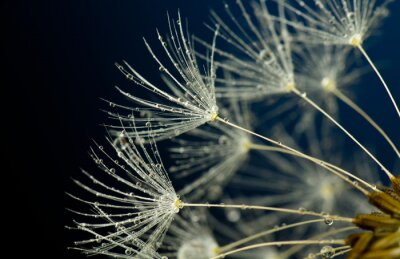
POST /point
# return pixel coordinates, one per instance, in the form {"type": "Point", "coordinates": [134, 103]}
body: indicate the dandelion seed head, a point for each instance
{"type": "Point", "coordinates": [211, 156]}
{"type": "Point", "coordinates": [200, 247]}
{"type": "Point", "coordinates": [328, 190]}
{"type": "Point", "coordinates": [328, 83]}
{"type": "Point", "coordinates": [323, 72]}
{"type": "Point", "coordinates": [189, 100]}
{"type": "Point", "coordinates": [296, 183]}
{"type": "Point", "coordinates": [260, 61]}
{"type": "Point", "coordinates": [337, 22]}
{"type": "Point", "coordinates": [217, 157]}
{"type": "Point", "coordinates": [190, 237]}
{"type": "Point", "coordinates": [324, 69]}
{"type": "Point", "coordinates": [356, 40]}
{"type": "Point", "coordinates": [132, 203]}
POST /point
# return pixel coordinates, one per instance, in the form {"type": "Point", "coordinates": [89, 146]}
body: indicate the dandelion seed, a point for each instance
{"type": "Point", "coordinates": [260, 63]}
{"type": "Point", "coordinates": [301, 184]}
{"type": "Point", "coordinates": [134, 202]}
{"type": "Point", "coordinates": [216, 154]}
{"type": "Point", "coordinates": [339, 22]}
{"type": "Point", "coordinates": [347, 22]}
{"type": "Point", "coordinates": [190, 237]}
{"type": "Point", "coordinates": [323, 72]}
{"type": "Point", "coordinates": [324, 69]}
{"type": "Point", "coordinates": [189, 103]}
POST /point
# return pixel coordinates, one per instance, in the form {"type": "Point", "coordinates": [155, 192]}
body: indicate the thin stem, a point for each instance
{"type": "Point", "coordinates": [360, 47]}
{"type": "Point", "coordinates": [363, 114]}
{"type": "Point", "coordinates": [310, 158]}
{"type": "Point", "coordinates": [270, 148]}
{"type": "Point", "coordinates": [328, 166]}
{"type": "Point", "coordinates": [280, 243]}
{"type": "Point", "coordinates": [316, 106]}
{"type": "Point", "coordinates": [295, 249]}
{"type": "Point", "coordinates": [228, 247]}
{"type": "Point", "coordinates": [342, 252]}
{"type": "Point", "coordinates": [256, 207]}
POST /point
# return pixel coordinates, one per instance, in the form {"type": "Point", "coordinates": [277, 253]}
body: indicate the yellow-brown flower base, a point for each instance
{"type": "Point", "coordinates": [382, 238]}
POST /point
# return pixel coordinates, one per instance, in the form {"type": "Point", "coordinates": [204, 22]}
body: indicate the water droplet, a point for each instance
{"type": "Point", "coordinates": [223, 140]}
{"type": "Point", "coordinates": [327, 252]}
{"type": "Point", "coordinates": [177, 132]}
{"type": "Point", "coordinates": [302, 209]}
{"type": "Point", "coordinates": [128, 251]}
{"type": "Point", "coordinates": [350, 15]}
{"type": "Point", "coordinates": [328, 221]}
{"type": "Point", "coordinates": [233, 215]}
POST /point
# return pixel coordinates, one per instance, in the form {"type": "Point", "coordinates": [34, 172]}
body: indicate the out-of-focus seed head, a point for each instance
{"type": "Point", "coordinates": [260, 57]}
{"type": "Point", "coordinates": [339, 22]}
{"type": "Point", "coordinates": [190, 237]}
{"type": "Point", "coordinates": [211, 156]}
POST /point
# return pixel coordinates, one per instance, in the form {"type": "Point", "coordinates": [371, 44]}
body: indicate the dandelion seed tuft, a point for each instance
{"type": "Point", "coordinates": [338, 22]}
{"type": "Point", "coordinates": [133, 202]}
{"type": "Point", "coordinates": [260, 62]}
{"type": "Point", "coordinates": [190, 100]}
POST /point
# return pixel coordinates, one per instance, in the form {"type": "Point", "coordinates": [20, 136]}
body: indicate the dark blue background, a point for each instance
{"type": "Point", "coordinates": [59, 59]}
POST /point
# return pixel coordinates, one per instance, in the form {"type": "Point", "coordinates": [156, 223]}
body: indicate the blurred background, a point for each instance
{"type": "Point", "coordinates": [58, 61]}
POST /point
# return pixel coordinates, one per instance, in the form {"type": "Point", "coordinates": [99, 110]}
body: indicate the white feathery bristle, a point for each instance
{"type": "Point", "coordinates": [339, 22]}
{"type": "Point", "coordinates": [131, 204]}
{"type": "Point", "coordinates": [260, 61]}
{"type": "Point", "coordinates": [190, 237]}
{"type": "Point", "coordinates": [211, 156]}
{"type": "Point", "coordinates": [190, 101]}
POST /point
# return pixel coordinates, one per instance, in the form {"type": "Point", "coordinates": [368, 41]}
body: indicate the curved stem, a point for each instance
{"type": "Point", "coordinates": [328, 166]}
{"type": "Point", "coordinates": [291, 251]}
{"type": "Point", "coordinates": [363, 114]}
{"type": "Point", "coordinates": [237, 243]}
{"type": "Point", "coordinates": [280, 243]}
{"type": "Point", "coordinates": [256, 207]}
{"type": "Point", "coordinates": [300, 154]}
{"type": "Point", "coordinates": [342, 252]}
{"type": "Point", "coordinates": [362, 50]}
{"type": "Point", "coordinates": [316, 106]}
